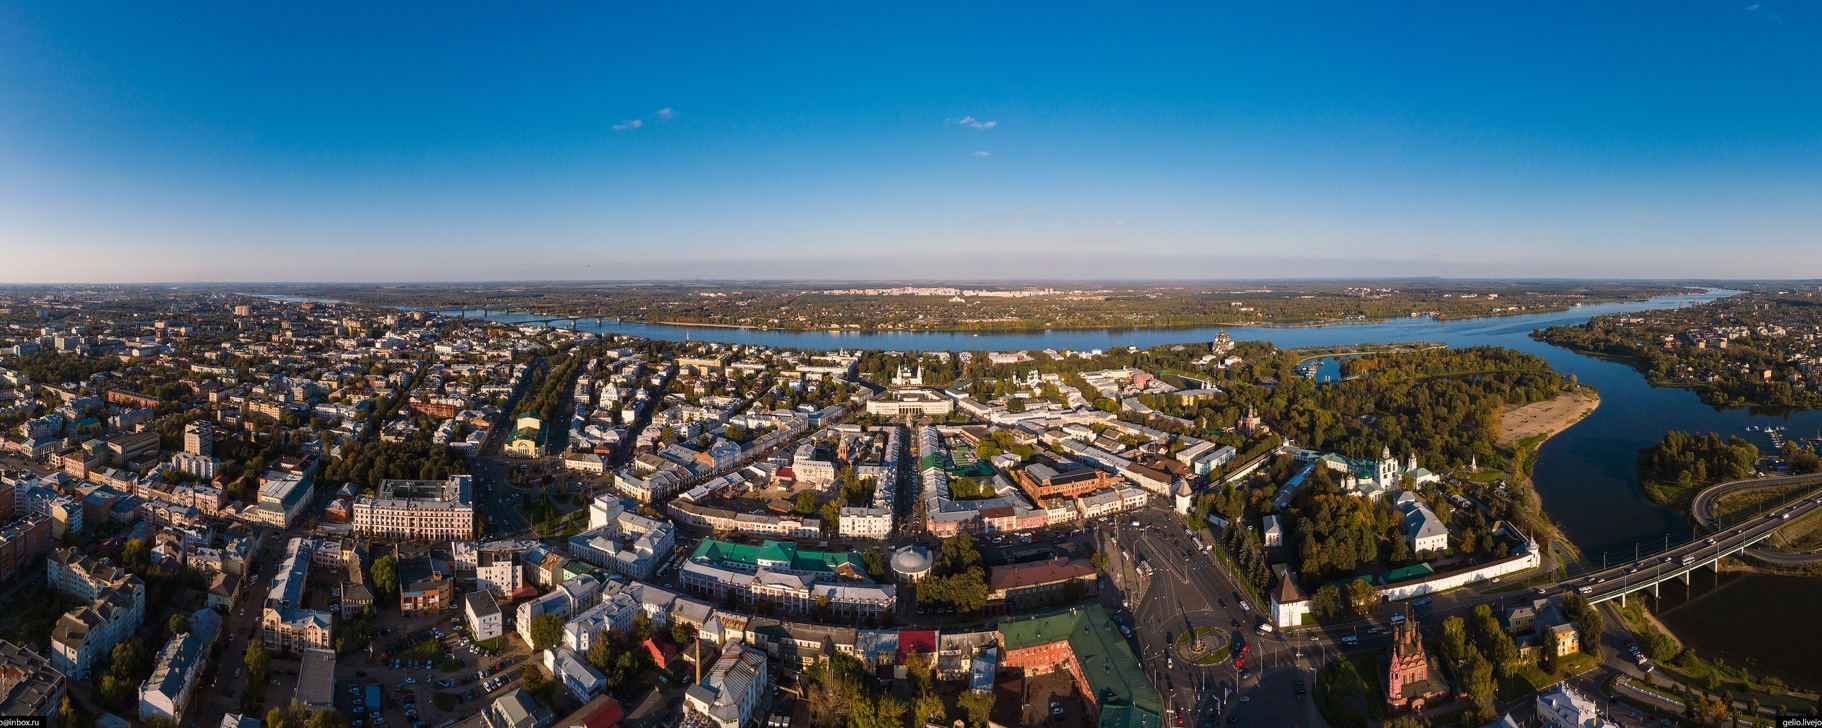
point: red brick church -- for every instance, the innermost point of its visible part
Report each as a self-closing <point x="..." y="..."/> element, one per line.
<point x="1409" y="681"/>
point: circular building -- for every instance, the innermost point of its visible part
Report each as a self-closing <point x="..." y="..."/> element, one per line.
<point x="911" y="563"/>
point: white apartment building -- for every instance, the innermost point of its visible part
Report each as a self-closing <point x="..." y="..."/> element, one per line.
<point x="484" y="617"/>
<point x="115" y="607"/>
<point x="614" y="613"/>
<point x="197" y="466"/>
<point x="865" y="522"/>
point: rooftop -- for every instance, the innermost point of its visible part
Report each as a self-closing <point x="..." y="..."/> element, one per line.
<point x="1108" y="664"/>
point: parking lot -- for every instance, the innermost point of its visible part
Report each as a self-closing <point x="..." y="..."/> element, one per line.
<point x="413" y="661"/>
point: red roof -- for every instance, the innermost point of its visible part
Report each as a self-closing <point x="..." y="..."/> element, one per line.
<point x="786" y="473"/>
<point x="524" y="592"/>
<point x="606" y="716"/>
<point x="910" y="641"/>
<point x="661" y="651"/>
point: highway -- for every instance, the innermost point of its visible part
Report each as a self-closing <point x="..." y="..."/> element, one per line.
<point x="1702" y="507"/>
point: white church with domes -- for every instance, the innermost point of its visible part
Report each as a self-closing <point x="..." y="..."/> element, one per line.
<point x="1375" y="479"/>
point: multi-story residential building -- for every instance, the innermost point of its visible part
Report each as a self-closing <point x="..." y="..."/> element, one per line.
<point x="285" y="624"/>
<point x="570" y="597"/>
<point x="417" y="509"/>
<point x="858" y="522"/>
<point x="24" y="544"/>
<point x="65" y="513"/>
<point x="199" y="439"/>
<point x="196" y="466"/>
<point x="499" y="571"/>
<point x="615" y="612"/>
<point x="167" y="692"/>
<point x="581" y="679"/>
<point x="29" y="685"/>
<point x="115" y="607"/>
<point x="654" y="487"/>
<point x="729" y="695"/>
<point x="485" y="620"/>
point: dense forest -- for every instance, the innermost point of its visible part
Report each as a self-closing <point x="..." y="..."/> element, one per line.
<point x="1443" y="405"/>
<point x="1673" y="470"/>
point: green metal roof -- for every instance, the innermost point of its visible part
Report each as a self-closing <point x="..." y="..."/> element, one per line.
<point x="1406" y="574"/>
<point x="1125" y="697"/>
<point x="776" y="552"/>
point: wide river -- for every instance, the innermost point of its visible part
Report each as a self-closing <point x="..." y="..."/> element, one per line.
<point x="1585" y="474"/>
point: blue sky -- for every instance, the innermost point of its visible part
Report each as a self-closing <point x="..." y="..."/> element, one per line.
<point x="609" y="140"/>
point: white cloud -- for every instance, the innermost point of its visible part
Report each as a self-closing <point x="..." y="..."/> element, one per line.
<point x="983" y="154"/>
<point x="972" y="122"/>
<point x="1021" y="213"/>
<point x="664" y="114"/>
<point x="1110" y="222"/>
<point x="629" y="125"/>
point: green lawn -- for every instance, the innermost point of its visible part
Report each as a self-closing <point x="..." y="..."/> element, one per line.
<point x="1484" y="476"/>
<point x="493" y="644"/>
<point x="426" y="650"/>
<point x="1346" y="685"/>
<point x="1532" y="678"/>
<point x="444" y="701"/>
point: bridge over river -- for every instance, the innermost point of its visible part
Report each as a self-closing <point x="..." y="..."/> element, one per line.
<point x="1725" y="537"/>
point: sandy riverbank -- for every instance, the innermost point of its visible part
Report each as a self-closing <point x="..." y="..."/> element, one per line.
<point x="1547" y="417"/>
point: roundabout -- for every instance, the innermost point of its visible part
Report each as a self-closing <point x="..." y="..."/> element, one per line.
<point x="1203" y="646"/>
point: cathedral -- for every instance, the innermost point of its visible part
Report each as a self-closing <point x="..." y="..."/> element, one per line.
<point x="904" y="377"/>
<point x="1377" y="478"/>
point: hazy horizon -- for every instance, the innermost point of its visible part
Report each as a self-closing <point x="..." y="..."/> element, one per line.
<point x="342" y="142"/>
<point x="950" y="282"/>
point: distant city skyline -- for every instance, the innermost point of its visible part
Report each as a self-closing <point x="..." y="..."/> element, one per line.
<point x="222" y="142"/>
